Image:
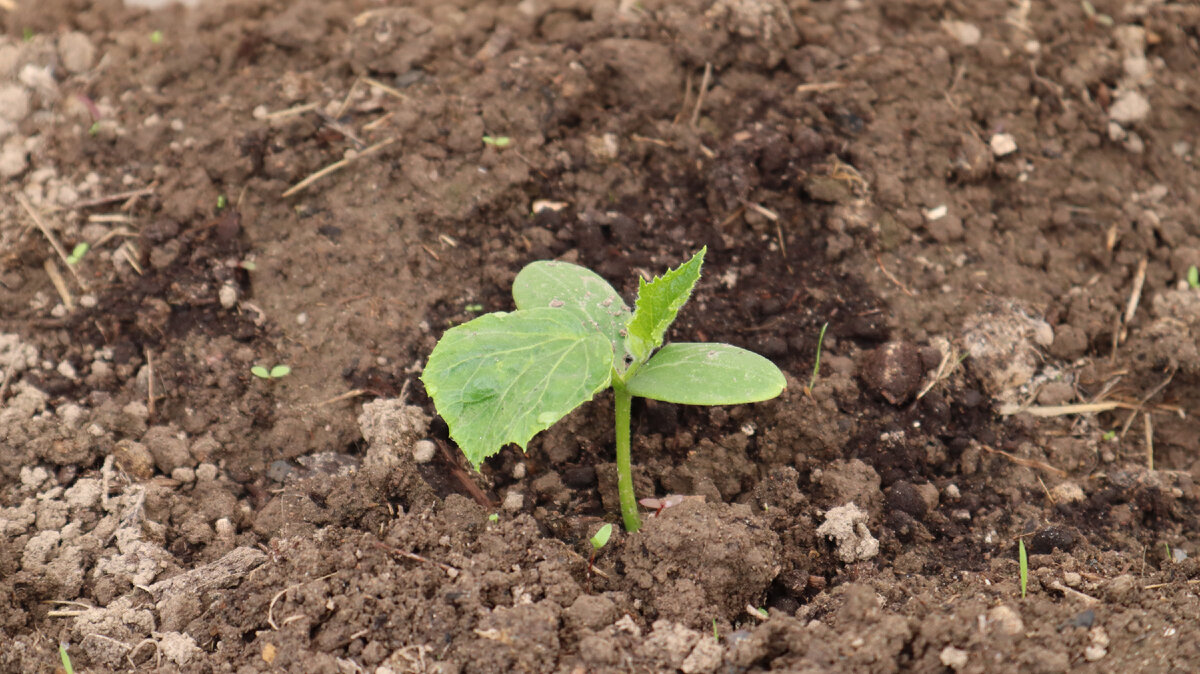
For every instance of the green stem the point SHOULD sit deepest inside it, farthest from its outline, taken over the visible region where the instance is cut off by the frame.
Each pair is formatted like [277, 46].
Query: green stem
[622, 401]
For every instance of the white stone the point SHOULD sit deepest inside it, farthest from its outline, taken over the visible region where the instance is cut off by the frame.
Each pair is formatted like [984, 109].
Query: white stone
[1129, 107]
[1003, 144]
[14, 102]
[967, 34]
[423, 451]
[1005, 620]
[847, 526]
[228, 295]
[954, 658]
[513, 501]
[1067, 492]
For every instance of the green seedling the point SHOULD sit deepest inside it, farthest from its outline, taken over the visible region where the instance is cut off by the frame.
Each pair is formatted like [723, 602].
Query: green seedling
[65, 657]
[498, 142]
[504, 377]
[1193, 277]
[277, 372]
[222, 202]
[248, 265]
[1109, 436]
[473, 308]
[494, 517]
[601, 538]
[1022, 565]
[94, 128]
[27, 34]
[716, 635]
[78, 252]
[156, 37]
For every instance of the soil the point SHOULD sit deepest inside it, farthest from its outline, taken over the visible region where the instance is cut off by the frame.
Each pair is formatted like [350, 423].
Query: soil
[992, 205]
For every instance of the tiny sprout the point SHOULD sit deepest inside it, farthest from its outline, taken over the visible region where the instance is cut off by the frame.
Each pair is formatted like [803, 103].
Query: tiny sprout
[494, 517]
[1193, 277]
[498, 142]
[716, 635]
[473, 308]
[156, 37]
[1022, 565]
[1109, 436]
[222, 202]
[78, 252]
[277, 372]
[65, 657]
[248, 265]
[94, 128]
[817, 361]
[27, 34]
[601, 537]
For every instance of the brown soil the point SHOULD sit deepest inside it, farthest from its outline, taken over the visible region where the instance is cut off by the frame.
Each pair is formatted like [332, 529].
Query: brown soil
[994, 205]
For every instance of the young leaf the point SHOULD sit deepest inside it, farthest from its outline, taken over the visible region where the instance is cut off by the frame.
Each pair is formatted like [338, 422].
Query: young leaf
[504, 377]
[547, 283]
[280, 371]
[601, 537]
[707, 374]
[658, 302]
[260, 372]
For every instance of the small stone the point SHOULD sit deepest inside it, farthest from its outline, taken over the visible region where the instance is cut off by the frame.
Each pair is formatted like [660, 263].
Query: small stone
[228, 295]
[184, 474]
[603, 148]
[1072, 579]
[1003, 144]
[1093, 653]
[206, 472]
[13, 157]
[1052, 537]
[168, 449]
[893, 371]
[954, 658]
[76, 52]
[1129, 107]
[133, 458]
[519, 470]
[1056, 393]
[847, 526]
[1119, 588]
[952, 492]
[66, 369]
[424, 451]
[85, 493]
[1005, 620]
[1067, 492]
[967, 34]
[14, 103]
[513, 501]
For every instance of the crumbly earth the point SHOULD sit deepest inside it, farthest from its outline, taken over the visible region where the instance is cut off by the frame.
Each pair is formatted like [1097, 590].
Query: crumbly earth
[992, 205]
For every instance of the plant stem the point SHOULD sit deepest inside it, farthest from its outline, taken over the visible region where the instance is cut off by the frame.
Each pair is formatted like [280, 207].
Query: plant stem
[622, 401]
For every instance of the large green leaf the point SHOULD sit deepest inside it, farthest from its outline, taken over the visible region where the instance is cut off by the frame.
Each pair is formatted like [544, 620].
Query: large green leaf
[504, 377]
[548, 283]
[707, 374]
[658, 303]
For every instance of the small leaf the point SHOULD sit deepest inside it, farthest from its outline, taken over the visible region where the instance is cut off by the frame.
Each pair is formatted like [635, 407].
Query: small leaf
[280, 371]
[503, 377]
[548, 283]
[1193, 277]
[78, 252]
[658, 303]
[707, 374]
[260, 371]
[602, 536]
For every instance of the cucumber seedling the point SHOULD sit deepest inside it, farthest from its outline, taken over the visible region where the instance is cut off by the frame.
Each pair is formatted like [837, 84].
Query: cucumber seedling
[504, 377]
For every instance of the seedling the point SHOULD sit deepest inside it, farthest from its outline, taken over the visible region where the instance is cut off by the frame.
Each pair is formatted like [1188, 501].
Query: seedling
[494, 517]
[94, 128]
[498, 142]
[78, 252]
[504, 377]
[222, 202]
[1022, 565]
[601, 538]
[65, 657]
[277, 372]
[473, 308]
[1193, 277]
[156, 37]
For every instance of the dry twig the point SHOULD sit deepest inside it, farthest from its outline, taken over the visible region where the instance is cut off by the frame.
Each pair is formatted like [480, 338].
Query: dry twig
[337, 166]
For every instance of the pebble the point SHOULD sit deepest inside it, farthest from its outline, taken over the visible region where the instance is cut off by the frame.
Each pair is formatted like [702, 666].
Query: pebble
[14, 102]
[135, 459]
[1093, 653]
[1003, 144]
[424, 450]
[1005, 620]
[954, 658]
[168, 449]
[1067, 492]
[76, 52]
[13, 158]
[228, 295]
[893, 371]
[967, 34]
[184, 474]
[1129, 107]
[206, 472]
[513, 501]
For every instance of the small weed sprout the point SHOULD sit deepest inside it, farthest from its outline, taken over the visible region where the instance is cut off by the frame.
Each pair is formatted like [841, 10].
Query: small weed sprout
[65, 657]
[222, 202]
[78, 252]
[1193, 277]
[494, 517]
[504, 377]
[817, 361]
[156, 37]
[276, 372]
[716, 635]
[498, 142]
[1022, 565]
[473, 308]
[601, 538]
